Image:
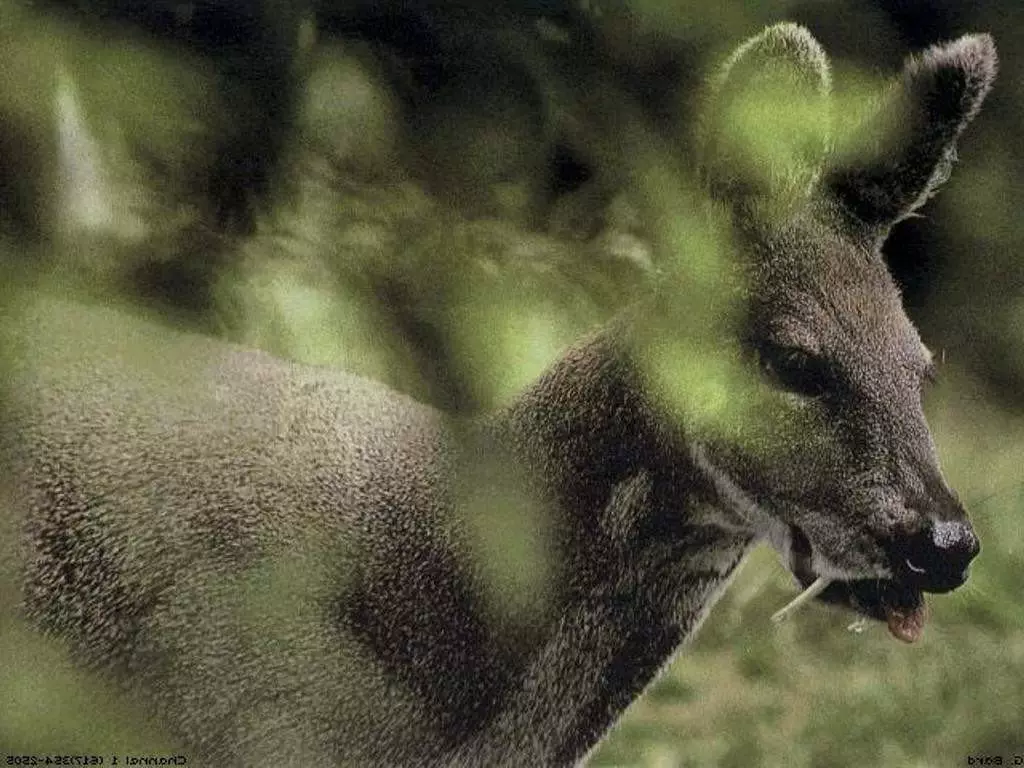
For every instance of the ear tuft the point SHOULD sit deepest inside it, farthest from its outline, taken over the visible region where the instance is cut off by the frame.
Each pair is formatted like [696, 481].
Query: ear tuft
[905, 150]
[764, 131]
[952, 80]
[974, 60]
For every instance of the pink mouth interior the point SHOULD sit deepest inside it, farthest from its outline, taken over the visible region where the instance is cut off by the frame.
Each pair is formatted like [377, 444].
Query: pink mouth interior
[907, 625]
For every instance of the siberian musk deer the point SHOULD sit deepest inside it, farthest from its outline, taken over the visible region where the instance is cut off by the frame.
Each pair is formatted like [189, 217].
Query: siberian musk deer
[273, 557]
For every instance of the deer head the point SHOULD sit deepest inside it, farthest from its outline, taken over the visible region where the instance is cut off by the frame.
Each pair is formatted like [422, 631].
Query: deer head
[843, 477]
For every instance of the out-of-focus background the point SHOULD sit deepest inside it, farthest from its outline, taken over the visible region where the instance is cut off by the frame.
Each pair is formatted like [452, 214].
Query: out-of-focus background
[442, 196]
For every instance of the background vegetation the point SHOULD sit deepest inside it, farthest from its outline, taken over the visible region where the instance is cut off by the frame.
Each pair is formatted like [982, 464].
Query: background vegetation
[415, 232]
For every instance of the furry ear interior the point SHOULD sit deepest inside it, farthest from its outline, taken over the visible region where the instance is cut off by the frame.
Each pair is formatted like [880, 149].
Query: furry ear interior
[905, 150]
[764, 131]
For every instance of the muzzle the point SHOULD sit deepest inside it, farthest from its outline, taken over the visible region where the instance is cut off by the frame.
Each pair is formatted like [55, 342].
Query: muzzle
[936, 559]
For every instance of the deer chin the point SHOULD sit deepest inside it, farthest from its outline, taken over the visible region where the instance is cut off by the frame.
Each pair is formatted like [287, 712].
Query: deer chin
[899, 604]
[892, 600]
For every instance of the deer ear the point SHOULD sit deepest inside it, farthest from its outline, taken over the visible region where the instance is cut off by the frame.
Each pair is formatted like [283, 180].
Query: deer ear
[897, 158]
[764, 130]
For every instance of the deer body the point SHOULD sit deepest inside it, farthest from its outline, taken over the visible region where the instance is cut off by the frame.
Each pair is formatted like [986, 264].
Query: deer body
[281, 559]
[250, 462]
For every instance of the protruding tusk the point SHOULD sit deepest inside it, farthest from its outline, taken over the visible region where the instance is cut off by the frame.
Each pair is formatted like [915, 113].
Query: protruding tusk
[815, 589]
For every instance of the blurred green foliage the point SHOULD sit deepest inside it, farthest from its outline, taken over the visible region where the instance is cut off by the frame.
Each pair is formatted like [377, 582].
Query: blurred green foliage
[375, 275]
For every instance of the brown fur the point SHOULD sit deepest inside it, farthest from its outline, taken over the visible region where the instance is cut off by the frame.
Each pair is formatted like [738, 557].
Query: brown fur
[291, 564]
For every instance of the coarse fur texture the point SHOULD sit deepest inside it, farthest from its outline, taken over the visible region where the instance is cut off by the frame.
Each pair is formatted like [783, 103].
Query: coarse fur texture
[286, 563]
[909, 143]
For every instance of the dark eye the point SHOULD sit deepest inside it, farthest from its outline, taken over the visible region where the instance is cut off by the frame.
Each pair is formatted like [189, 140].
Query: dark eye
[794, 370]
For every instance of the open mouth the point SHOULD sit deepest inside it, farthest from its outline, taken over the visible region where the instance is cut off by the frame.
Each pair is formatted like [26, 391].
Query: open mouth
[896, 601]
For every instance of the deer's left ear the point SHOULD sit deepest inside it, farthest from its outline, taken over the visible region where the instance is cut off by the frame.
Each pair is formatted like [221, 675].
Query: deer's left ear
[901, 154]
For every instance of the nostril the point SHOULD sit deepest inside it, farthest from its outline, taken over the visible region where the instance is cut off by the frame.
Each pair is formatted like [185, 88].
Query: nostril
[936, 558]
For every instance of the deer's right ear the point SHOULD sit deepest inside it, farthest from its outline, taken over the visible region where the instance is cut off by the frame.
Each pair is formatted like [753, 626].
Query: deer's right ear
[763, 132]
[899, 156]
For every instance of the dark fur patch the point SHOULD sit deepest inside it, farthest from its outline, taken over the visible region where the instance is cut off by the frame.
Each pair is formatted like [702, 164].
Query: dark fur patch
[906, 149]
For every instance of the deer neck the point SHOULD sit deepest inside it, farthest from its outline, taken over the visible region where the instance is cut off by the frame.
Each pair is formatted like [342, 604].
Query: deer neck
[612, 461]
[585, 420]
[639, 557]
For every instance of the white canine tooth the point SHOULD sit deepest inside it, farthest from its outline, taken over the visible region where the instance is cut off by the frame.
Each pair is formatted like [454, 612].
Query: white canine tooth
[815, 589]
[914, 568]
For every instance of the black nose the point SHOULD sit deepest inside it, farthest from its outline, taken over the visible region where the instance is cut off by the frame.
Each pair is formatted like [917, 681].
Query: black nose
[936, 558]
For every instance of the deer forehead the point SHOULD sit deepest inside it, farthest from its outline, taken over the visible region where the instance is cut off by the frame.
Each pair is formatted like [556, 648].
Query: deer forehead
[823, 291]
